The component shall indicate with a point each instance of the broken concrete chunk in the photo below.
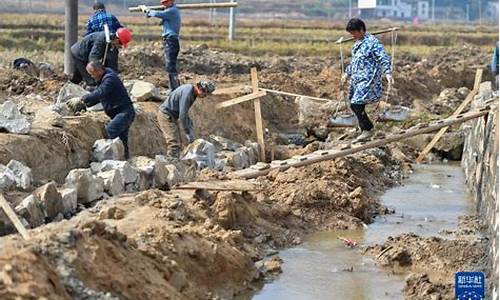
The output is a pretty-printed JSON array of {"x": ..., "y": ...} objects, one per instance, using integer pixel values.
[
  {"x": 69, "y": 201},
  {"x": 173, "y": 176},
  {"x": 7, "y": 178},
  {"x": 68, "y": 91},
  {"x": 129, "y": 174},
  {"x": 11, "y": 119},
  {"x": 108, "y": 149},
  {"x": 22, "y": 174},
  {"x": 144, "y": 164},
  {"x": 160, "y": 174},
  {"x": 95, "y": 167},
  {"x": 221, "y": 143},
  {"x": 50, "y": 198},
  {"x": 202, "y": 151},
  {"x": 113, "y": 182},
  {"x": 88, "y": 187},
  {"x": 143, "y": 91},
  {"x": 32, "y": 210}
]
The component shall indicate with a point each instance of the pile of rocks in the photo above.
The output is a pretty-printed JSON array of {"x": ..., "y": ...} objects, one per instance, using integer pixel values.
[{"x": 222, "y": 154}]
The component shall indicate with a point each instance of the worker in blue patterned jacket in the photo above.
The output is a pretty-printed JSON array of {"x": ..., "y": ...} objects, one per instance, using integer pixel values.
[
  {"x": 99, "y": 18},
  {"x": 369, "y": 62},
  {"x": 171, "y": 22}
]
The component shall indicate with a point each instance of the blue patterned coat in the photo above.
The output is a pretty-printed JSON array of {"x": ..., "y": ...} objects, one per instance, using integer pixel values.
[{"x": 368, "y": 61}]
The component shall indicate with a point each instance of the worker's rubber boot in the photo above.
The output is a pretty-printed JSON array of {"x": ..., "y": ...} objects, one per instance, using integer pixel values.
[{"x": 173, "y": 81}]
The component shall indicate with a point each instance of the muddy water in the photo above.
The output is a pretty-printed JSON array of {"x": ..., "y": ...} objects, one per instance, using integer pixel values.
[{"x": 427, "y": 203}]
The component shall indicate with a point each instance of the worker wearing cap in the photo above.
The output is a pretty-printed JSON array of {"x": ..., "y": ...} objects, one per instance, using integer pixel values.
[
  {"x": 113, "y": 96},
  {"x": 93, "y": 48},
  {"x": 368, "y": 62},
  {"x": 99, "y": 18},
  {"x": 171, "y": 23},
  {"x": 176, "y": 108}
]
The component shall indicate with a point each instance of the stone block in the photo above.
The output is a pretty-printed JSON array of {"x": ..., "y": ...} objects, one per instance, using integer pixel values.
[
  {"x": 221, "y": 143},
  {"x": 143, "y": 91},
  {"x": 68, "y": 91},
  {"x": 11, "y": 119},
  {"x": 108, "y": 149},
  {"x": 113, "y": 182},
  {"x": 32, "y": 210},
  {"x": 129, "y": 174},
  {"x": 202, "y": 151},
  {"x": 50, "y": 198},
  {"x": 7, "y": 178},
  {"x": 22, "y": 174},
  {"x": 69, "y": 200},
  {"x": 88, "y": 187}
]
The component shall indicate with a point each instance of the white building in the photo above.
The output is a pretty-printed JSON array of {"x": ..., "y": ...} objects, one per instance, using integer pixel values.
[
  {"x": 491, "y": 11},
  {"x": 402, "y": 9}
]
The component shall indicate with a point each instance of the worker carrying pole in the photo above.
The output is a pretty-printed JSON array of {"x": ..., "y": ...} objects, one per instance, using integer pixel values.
[
  {"x": 368, "y": 62},
  {"x": 171, "y": 23}
]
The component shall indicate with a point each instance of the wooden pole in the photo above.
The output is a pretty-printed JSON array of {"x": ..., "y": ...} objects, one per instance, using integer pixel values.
[
  {"x": 295, "y": 95},
  {"x": 463, "y": 105},
  {"x": 13, "y": 218},
  {"x": 189, "y": 6},
  {"x": 323, "y": 155},
  {"x": 258, "y": 115},
  {"x": 70, "y": 33},
  {"x": 344, "y": 40}
]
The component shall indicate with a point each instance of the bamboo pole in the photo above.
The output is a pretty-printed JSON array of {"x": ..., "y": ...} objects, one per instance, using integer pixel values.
[{"x": 344, "y": 40}]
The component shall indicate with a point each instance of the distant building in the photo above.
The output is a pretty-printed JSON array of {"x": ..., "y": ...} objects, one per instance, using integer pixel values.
[
  {"x": 491, "y": 11},
  {"x": 400, "y": 9}
]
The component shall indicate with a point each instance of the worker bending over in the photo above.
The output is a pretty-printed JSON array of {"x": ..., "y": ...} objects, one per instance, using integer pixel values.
[
  {"x": 176, "y": 108},
  {"x": 113, "y": 96}
]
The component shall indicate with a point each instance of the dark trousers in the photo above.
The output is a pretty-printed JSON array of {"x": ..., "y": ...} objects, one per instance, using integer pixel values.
[
  {"x": 171, "y": 47},
  {"x": 119, "y": 127},
  {"x": 363, "y": 120},
  {"x": 81, "y": 73}
]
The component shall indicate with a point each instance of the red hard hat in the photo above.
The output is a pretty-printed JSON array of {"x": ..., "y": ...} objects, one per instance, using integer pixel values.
[
  {"x": 164, "y": 1},
  {"x": 124, "y": 36}
]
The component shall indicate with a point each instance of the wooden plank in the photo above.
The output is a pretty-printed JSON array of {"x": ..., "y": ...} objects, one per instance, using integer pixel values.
[
  {"x": 240, "y": 99},
  {"x": 230, "y": 185},
  {"x": 260, "y": 129},
  {"x": 13, "y": 218},
  {"x": 230, "y": 90},
  {"x": 461, "y": 107},
  {"x": 258, "y": 115},
  {"x": 296, "y": 95},
  {"x": 189, "y": 6},
  {"x": 252, "y": 173}
]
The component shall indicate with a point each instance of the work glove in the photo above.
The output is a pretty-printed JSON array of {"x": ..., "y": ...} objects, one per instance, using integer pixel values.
[
  {"x": 343, "y": 79},
  {"x": 190, "y": 136},
  {"x": 144, "y": 8},
  {"x": 76, "y": 104},
  {"x": 390, "y": 80}
]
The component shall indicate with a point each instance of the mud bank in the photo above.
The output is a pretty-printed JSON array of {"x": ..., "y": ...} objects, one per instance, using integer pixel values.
[{"x": 189, "y": 245}]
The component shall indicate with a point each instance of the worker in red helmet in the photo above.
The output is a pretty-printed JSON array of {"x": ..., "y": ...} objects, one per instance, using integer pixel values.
[
  {"x": 93, "y": 47},
  {"x": 171, "y": 23}
]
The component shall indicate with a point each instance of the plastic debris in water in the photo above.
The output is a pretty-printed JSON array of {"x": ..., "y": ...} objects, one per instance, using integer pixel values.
[{"x": 348, "y": 242}]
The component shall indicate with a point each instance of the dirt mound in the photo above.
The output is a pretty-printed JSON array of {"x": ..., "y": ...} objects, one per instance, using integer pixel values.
[
  {"x": 439, "y": 257},
  {"x": 423, "y": 79},
  {"x": 420, "y": 287},
  {"x": 15, "y": 82}
]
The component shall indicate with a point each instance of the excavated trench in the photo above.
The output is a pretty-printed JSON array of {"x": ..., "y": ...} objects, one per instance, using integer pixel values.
[{"x": 187, "y": 245}]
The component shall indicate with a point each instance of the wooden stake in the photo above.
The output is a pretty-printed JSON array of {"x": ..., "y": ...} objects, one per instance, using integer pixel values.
[
  {"x": 234, "y": 101},
  {"x": 258, "y": 115},
  {"x": 463, "y": 105},
  {"x": 13, "y": 218}
]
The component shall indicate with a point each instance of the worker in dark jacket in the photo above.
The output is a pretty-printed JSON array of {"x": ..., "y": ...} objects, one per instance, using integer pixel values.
[
  {"x": 99, "y": 18},
  {"x": 113, "y": 96},
  {"x": 171, "y": 23},
  {"x": 176, "y": 108},
  {"x": 93, "y": 48}
]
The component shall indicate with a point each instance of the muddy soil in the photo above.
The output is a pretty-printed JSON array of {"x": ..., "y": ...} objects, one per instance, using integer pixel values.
[
  {"x": 433, "y": 261},
  {"x": 187, "y": 245}
]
